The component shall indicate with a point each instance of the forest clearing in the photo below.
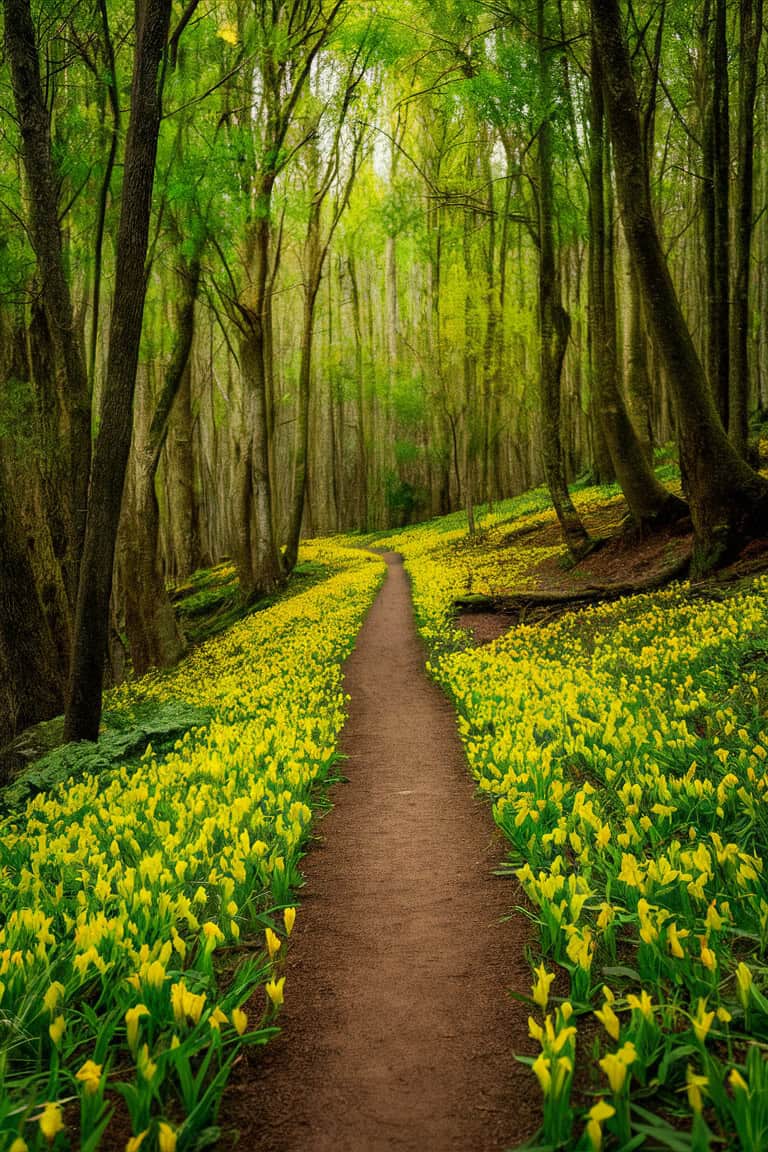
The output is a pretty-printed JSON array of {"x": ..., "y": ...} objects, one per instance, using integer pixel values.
[{"x": 383, "y": 575}]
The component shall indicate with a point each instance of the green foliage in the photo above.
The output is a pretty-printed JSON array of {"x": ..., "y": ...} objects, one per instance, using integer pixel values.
[{"x": 124, "y": 742}]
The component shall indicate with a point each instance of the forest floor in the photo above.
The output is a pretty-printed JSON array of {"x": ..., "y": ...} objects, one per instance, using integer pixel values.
[
  {"x": 622, "y": 559},
  {"x": 398, "y": 1030}
]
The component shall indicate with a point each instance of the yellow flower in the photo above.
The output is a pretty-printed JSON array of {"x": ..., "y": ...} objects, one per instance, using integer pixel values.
[
  {"x": 239, "y": 1020},
  {"x": 213, "y": 934},
  {"x": 155, "y": 974},
  {"x": 217, "y": 1018},
  {"x": 744, "y": 983},
  {"x": 273, "y": 943},
  {"x": 535, "y": 1031},
  {"x": 708, "y": 957},
  {"x": 702, "y": 1021},
  {"x": 132, "y": 1017},
  {"x": 51, "y": 1122},
  {"x": 289, "y": 916},
  {"x": 57, "y": 1029},
  {"x": 737, "y": 1081},
  {"x": 19, "y": 1145},
  {"x": 274, "y": 989},
  {"x": 609, "y": 1020},
  {"x": 598, "y": 1114},
  {"x": 615, "y": 1065},
  {"x": 136, "y": 1142},
  {"x": 166, "y": 1137},
  {"x": 541, "y": 1070},
  {"x": 147, "y": 1067},
  {"x": 641, "y": 1003},
  {"x": 52, "y": 996},
  {"x": 694, "y": 1084},
  {"x": 541, "y": 986},
  {"x": 90, "y": 1076},
  {"x": 673, "y": 940}
]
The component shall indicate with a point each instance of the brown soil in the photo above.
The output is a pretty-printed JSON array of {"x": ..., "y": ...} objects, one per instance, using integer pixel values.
[
  {"x": 485, "y": 627},
  {"x": 398, "y": 1030},
  {"x": 622, "y": 559}
]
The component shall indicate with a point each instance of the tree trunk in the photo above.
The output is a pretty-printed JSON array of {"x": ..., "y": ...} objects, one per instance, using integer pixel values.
[
  {"x": 73, "y": 440},
  {"x": 362, "y": 403},
  {"x": 554, "y": 322},
  {"x": 264, "y": 573},
  {"x": 113, "y": 443},
  {"x": 153, "y": 634},
  {"x": 183, "y": 547},
  {"x": 301, "y": 447},
  {"x": 154, "y": 638},
  {"x": 649, "y": 502},
  {"x": 750, "y": 29},
  {"x": 30, "y": 686},
  {"x": 729, "y": 502},
  {"x": 639, "y": 392}
]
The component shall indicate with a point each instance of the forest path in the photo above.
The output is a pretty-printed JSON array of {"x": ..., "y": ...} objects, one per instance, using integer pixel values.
[{"x": 398, "y": 1032}]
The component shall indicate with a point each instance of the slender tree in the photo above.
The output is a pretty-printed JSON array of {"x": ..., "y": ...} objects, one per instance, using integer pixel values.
[
  {"x": 113, "y": 442},
  {"x": 554, "y": 321},
  {"x": 71, "y": 445},
  {"x": 729, "y": 501},
  {"x": 750, "y": 31},
  {"x": 649, "y": 502}
]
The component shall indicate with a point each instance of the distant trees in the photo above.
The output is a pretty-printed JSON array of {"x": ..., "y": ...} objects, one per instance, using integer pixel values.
[{"x": 368, "y": 263}]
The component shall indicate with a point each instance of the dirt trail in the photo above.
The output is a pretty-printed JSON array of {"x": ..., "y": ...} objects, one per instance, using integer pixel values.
[{"x": 398, "y": 1033}]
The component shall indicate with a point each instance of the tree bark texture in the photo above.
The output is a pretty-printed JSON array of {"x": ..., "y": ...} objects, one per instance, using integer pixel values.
[
  {"x": 154, "y": 637},
  {"x": 114, "y": 438},
  {"x": 649, "y": 502},
  {"x": 31, "y": 688},
  {"x": 72, "y": 439},
  {"x": 750, "y": 30},
  {"x": 554, "y": 322},
  {"x": 729, "y": 501}
]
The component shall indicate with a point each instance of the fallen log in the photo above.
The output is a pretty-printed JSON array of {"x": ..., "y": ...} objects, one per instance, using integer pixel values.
[{"x": 564, "y": 599}]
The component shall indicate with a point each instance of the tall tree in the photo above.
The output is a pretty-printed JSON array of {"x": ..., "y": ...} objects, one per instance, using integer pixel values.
[
  {"x": 288, "y": 38},
  {"x": 321, "y": 180},
  {"x": 71, "y": 447},
  {"x": 750, "y": 31},
  {"x": 649, "y": 502},
  {"x": 110, "y": 456},
  {"x": 554, "y": 321},
  {"x": 729, "y": 501}
]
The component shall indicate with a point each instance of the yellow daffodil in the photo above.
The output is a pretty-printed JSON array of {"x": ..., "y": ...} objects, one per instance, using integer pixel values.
[
  {"x": 597, "y": 1116},
  {"x": 273, "y": 943},
  {"x": 642, "y": 1004},
  {"x": 90, "y": 1076},
  {"x": 166, "y": 1137},
  {"x": 239, "y": 1020},
  {"x": 743, "y": 983},
  {"x": 52, "y": 997},
  {"x": 274, "y": 990},
  {"x": 289, "y": 917},
  {"x": 132, "y": 1018},
  {"x": 702, "y": 1021},
  {"x": 695, "y": 1084},
  {"x": 615, "y": 1065},
  {"x": 56, "y": 1029},
  {"x": 609, "y": 1020},
  {"x": 541, "y": 986},
  {"x": 51, "y": 1122}
]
